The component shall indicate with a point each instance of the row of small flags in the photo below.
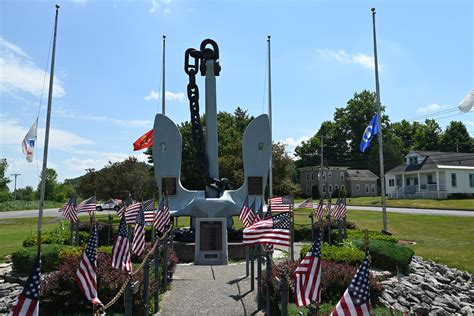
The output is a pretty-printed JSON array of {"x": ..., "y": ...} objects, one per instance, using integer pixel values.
[
  {"x": 339, "y": 211},
  {"x": 354, "y": 301},
  {"x": 86, "y": 275}
]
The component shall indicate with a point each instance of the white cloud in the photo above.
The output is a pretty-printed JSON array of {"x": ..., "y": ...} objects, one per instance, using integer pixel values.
[
  {"x": 169, "y": 96},
  {"x": 470, "y": 123},
  {"x": 19, "y": 73},
  {"x": 343, "y": 57},
  {"x": 291, "y": 143},
  {"x": 160, "y": 5},
  {"x": 12, "y": 133},
  {"x": 430, "y": 108},
  {"x": 81, "y": 2}
]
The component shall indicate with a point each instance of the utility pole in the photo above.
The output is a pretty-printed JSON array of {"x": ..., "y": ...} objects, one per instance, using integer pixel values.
[
  {"x": 270, "y": 178},
  {"x": 15, "y": 175},
  {"x": 163, "y": 91},
  {"x": 379, "y": 119}
]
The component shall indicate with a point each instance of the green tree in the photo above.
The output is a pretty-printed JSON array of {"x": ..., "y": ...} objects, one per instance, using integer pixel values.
[
  {"x": 27, "y": 193},
  {"x": 427, "y": 136},
  {"x": 405, "y": 131},
  {"x": 284, "y": 172},
  {"x": 4, "y": 190},
  {"x": 456, "y": 138},
  {"x": 51, "y": 184}
]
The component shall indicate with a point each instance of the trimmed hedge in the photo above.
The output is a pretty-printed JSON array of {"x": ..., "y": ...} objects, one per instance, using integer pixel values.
[
  {"x": 387, "y": 255},
  {"x": 373, "y": 235},
  {"x": 344, "y": 254},
  {"x": 23, "y": 259}
]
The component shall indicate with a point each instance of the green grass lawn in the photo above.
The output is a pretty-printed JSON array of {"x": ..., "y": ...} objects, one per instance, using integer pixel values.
[
  {"x": 451, "y": 204},
  {"x": 445, "y": 239}
]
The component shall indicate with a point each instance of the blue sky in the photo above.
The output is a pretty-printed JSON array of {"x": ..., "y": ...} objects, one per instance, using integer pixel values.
[{"x": 108, "y": 65}]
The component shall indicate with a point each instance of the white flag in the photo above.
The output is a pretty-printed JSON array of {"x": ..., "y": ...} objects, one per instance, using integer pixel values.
[
  {"x": 467, "y": 103},
  {"x": 29, "y": 142}
]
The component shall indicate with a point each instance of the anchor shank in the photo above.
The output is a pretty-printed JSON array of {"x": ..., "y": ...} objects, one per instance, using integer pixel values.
[{"x": 211, "y": 126}]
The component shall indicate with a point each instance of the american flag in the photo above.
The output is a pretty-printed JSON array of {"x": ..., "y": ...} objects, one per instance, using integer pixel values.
[
  {"x": 121, "y": 249},
  {"x": 86, "y": 275},
  {"x": 281, "y": 204},
  {"x": 69, "y": 210},
  {"x": 123, "y": 206},
  {"x": 247, "y": 215},
  {"x": 162, "y": 217},
  {"x": 87, "y": 205},
  {"x": 131, "y": 212},
  {"x": 308, "y": 276},
  {"x": 328, "y": 207},
  {"x": 356, "y": 299},
  {"x": 149, "y": 210},
  {"x": 274, "y": 230},
  {"x": 307, "y": 203},
  {"x": 28, "y": 300},
  {"x": 340, "y": 210},
  {"x": 319, "y": 209},
  {"x": 138, "y": 246},
  {"x": 260, "y": 211}
]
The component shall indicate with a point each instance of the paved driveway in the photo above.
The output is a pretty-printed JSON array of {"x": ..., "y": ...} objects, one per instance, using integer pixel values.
[{"x": 51, "y": 212}]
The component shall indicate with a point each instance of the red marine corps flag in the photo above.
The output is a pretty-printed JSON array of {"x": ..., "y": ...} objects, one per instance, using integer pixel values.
[{"x": 145, "y": 141}]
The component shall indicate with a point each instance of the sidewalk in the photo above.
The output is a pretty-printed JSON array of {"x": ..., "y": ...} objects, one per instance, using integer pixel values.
[{"x": 210, "y": 290}]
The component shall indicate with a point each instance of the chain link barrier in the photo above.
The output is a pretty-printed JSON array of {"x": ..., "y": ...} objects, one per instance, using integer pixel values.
[{"x": 103, "y": 308}]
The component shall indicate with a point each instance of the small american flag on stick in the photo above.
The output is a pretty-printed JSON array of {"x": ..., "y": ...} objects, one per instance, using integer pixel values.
[
  {"x": 307, "y": 203},
  {"x": 121, "y": 249},
  {"x": 131, "y": 212},
  {"x": 162, "y": 217},
  {"x": 69, "y": 210},
  {"x": 340, "y": 210},
  {"x": 281, "y": 204},
  {"x": 28, "y": 300},
  {"x": 149, "y": 210},
  {"x": 86, "y": 275},
  {"x": 87, "y": 206},
  {"x": 308, "y": 276},
  {"x": 274, "y": 230},
  {"x": 356, "y": 299},
  {"x": 318, "y": 212},
  {"x": 138, "y": 246},
  {"x": 247, "y": 215}
]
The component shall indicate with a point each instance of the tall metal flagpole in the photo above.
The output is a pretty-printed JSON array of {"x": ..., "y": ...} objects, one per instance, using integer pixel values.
[
  {"x": 163, "y": 91},
  {"x": 270, "y": 177},
  {"x": 379, "y": 119},
  {"x": 321, "y": 169},
  {"x": 46, "y": 136}
]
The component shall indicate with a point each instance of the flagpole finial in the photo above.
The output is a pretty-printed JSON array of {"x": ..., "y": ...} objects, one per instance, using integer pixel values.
[
  {"x": 164, "y": 36},
  {"x": 373, "y": 10},
  {"x": 57, "y": 6},
  {"x": 269, "y": 37}
]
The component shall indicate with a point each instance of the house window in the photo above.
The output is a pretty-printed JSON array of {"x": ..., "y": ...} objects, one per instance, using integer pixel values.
[
  {"x": 430, "y": 179},
  {"x": 308, "y": 189},
  {"x": 312, "y": 175},
  {"x": 343, "y": 188},
  {"x": 391, "y": 182},
  {"x": 342, "y": 176},
  {"x": 330, "y": 188},
  {"x": 330, "y": 174},
  {"x": 324, "y": 189},
  {"x": 324, "y": 175},
  {"x": 398, "y": 182},
  {"x": 413, "y": 161},
  {"x": 471, "y": 180},
  {"x": 366, "y": 188},
  {"x": 407, "y": 181},
  {"x": 416, "y": 181},
  {"x": 454, "y": 182},
  {"x": 373, "y": 188},
  {"x": 357, "y": 187},
  {"x": 336, "y": 187},
  {"x": 307, "y": 176}
]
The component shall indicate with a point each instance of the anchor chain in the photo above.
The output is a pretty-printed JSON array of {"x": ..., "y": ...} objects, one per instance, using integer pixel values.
[{"x": 200, "y": 57}]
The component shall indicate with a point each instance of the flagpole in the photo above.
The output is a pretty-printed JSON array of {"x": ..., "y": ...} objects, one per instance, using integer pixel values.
[
  {"x": 270, "y": 177},
  {"x": 163, "y": 92},
  {"x": 46, "y": 137},
  {"x": 379, "y": 121}
]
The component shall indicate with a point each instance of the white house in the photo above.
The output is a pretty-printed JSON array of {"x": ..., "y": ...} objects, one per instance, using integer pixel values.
[{"x": 432, "y": 175}]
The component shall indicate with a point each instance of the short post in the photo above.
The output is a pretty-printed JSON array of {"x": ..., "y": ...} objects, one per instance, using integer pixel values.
[
  {"x": 165, "y": 263},
  {"x": 127, "y": 300},
  {"x": 328, "y": 220},
  {"x": 268, "y": 277},
  {"x": 71, "y": 237},
  {"x": 247, "y": 259},
  {"x": 172, "y": 234},
  {"x": 344, "y": 221},
  {"x": 76, "y": 241},
  {"x": 146, "y": 287},
  {"x": 292, "y": 228},
  {"x": 157, "y": 278},
  {"x": 284, "y": 295},
  {"x": 109, "y": 232},
  {"x": 311, "y": 216},
  {"x": 252, "y": 268},
  {"x": 339, "y": 231},
  {"x": 259, "y": 277}
]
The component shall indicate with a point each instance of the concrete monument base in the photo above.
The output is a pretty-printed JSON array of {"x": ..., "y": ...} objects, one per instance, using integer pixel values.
[{"x": 211, "y": 241}]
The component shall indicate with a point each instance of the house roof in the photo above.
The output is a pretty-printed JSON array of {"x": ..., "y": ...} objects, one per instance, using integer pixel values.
[
  {"x": 360, "y": 174},
  {"x": 436, "y": 159}
]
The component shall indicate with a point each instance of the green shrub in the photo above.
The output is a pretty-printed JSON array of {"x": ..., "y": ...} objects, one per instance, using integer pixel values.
[
  {"x": 373, "y": 235},
  {"x": 387, "y": 255},
  {"x": 59, "y": 236},
  {"x": 23, "y": 259},
  {"x": 105, "y": 249},
  {"x": 343, "y": 254},
  {"x": 69, "y": 251}
]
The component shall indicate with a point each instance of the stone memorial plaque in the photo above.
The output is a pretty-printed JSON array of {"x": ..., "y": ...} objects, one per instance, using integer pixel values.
[
  {"x": 210, "y": 235},
  {"x": 168, "y": 185},
  {"x": 255, "y": 185}
]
